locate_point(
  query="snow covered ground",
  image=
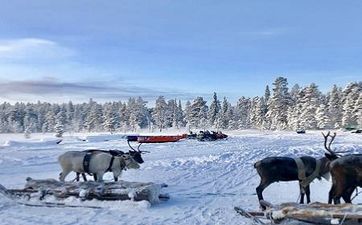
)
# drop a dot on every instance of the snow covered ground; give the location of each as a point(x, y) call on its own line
point(206, 179)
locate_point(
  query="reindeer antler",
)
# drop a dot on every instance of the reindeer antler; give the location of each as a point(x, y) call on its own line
point(138, 148)
point(328, 148)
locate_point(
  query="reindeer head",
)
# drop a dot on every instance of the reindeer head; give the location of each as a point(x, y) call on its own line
point(136, 154)
point(130, 162)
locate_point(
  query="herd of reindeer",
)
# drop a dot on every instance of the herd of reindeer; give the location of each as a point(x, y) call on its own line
point(346, 171)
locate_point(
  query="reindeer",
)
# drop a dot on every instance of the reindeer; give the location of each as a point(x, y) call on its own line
point(135, 154)
point(304, 169)
point(346, 173)
point(98, 165)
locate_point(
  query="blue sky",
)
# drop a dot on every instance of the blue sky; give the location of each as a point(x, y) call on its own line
point(109, 50)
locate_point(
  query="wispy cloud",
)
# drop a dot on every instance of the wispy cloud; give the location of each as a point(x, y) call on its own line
point(55, 91)
point(33, 49)
point(265, 32)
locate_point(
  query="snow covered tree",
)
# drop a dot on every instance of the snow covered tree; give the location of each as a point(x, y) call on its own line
point(49, 122)
point(242, 113)
point(188, 114)
point(323, 119)
point(335, 106)
point(225, 114)
point(278, 105)
point(301, 108)
point(94, 118)
point(30, 119)
point(171, 113)
point(124, 116)
point(256, 113)
point(267, 94)
point(111, 118)
point(179, 115)
point(198, 113)
point(160, 113)
point(59, 124)
point(214, 110)
point(310, 102)
point(351, 95)
point(69, 116)
point(358, 110)
point(294, 92)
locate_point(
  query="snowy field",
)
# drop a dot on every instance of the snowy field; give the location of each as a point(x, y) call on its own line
point(206, 179)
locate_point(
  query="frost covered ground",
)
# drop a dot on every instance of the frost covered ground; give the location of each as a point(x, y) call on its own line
point(206, 179)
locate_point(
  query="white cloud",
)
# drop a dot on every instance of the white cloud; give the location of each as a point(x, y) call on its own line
point(265, 33)
point(33, 49)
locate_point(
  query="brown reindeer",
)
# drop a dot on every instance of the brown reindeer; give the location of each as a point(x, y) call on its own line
point(346, 175)
point(304, 169)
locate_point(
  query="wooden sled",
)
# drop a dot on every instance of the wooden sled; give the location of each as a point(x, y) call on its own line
point(315, 213)
point(110, 191)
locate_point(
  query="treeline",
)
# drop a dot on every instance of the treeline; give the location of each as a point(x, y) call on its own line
point(279, 108)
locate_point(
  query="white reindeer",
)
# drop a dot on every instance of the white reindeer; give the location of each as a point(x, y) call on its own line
point(98, 164)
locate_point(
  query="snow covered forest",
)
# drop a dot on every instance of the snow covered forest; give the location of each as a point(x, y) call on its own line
point(278, 109)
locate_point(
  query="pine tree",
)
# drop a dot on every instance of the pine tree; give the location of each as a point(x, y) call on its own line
point(358, 110)
point(30, 119)
point(225, 119)
point(256, 113)
point(59, 124)
point(188, 114)
point(214, 109)
point(179, 115)
point(323, 118)
point(278, 105)
point(160, 113)
point(310, 102)
point(111, 119)
point(267, 94)
point(124, 117)
point(351, 95)
point(198, 113)
point(335, 106)
point(49, 122)
point(94, 118)
point(242, 113)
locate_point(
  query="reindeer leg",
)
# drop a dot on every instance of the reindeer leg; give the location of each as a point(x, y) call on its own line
point(259, 190)
point(84, 177)
point(302, 193)
point(99, 176)
point(331, 194)
point(95, 177)
point(347, 195)
point(307, 192)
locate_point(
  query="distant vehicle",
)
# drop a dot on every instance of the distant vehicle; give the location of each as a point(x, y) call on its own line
point(210, 136)
point(191, 135)
point(358, 131)
point(159, 138)
point(300, 131)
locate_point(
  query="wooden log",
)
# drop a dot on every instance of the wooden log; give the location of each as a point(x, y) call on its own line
point(111, 191)
point(315, 213)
